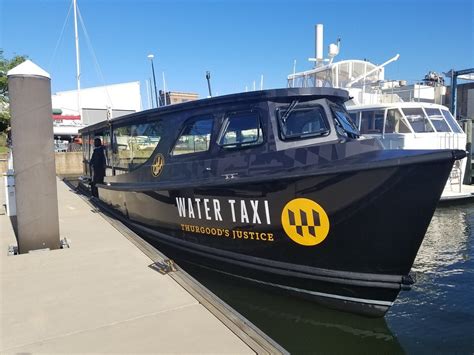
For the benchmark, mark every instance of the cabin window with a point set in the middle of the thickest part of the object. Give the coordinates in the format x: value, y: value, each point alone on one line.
x: 134, y: 144
x: 104, y: 137
x: 344, y: 123
x: 241, y: 130
x: 395, y: 122
x: 371, y: 122
x: 85, y: 152
x: 451, y: 121
x: 303, y: 122
x: 355, y: 116
x: 195, y: 137
x: 417, y: 119
x: 437, y: 119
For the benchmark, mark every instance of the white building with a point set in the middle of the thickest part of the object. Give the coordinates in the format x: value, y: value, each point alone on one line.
x: 122, y: 99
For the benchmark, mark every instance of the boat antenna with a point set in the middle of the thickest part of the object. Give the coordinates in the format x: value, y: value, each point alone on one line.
x: 208, y: 78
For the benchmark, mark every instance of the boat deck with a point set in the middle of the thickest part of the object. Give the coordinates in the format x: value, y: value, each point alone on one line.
x: 101, y: 295
x: 467, y: 192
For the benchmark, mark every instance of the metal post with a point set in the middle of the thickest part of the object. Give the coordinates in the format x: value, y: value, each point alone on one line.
x: 454, y: 84
x: 78, y: 64
x: 208, y: 77
x: 33, y: 158
x: 151, y: 56
x: 468, y: 173
x: 165, y: 101
x: 154, y: 84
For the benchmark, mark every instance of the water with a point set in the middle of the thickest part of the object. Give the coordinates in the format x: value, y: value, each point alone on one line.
x: 436, y: 316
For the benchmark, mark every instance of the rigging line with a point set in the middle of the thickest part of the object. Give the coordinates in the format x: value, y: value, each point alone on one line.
x: 96, y: 62
x: 53, y: 56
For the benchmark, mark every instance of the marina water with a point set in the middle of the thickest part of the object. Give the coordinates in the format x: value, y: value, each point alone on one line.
x: 436, y: 316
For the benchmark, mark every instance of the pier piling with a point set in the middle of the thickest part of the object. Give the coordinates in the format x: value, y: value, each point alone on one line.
x: 33, y: 158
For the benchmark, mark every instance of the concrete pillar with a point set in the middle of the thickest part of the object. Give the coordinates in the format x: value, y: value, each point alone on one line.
x: 33, y: 158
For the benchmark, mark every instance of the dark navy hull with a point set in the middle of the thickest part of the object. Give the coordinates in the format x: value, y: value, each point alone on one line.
x: 378, y: 217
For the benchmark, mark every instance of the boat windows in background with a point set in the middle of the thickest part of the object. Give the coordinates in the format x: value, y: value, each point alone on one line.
x: 195, y: 136
x: 241, y: 129
x: 437, y: 120
x: 88, y: 148
x: 395, y: 122
x: 134, y: 144
x: 372, y: 122
x: 303, y: 122
x: 417, y: 119
x: 451, y: 121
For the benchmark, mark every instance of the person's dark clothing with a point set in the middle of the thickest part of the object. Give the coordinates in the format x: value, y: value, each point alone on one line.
x: 97, y: 164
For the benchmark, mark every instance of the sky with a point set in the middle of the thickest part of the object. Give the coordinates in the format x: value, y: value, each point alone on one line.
x: 238, y: 41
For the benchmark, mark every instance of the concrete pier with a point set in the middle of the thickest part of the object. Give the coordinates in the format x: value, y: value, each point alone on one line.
x: 100, y: 295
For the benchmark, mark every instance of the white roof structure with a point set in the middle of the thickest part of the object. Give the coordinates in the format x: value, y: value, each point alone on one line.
x: 123, y: 96
x: 28, y: 68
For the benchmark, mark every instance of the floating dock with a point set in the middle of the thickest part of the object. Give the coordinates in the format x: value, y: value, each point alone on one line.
x: 104, y: 294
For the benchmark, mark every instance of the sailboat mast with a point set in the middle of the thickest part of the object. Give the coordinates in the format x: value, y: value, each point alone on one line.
x: 78, y: 65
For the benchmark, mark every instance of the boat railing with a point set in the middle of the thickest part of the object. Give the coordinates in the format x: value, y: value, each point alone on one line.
x: 455, y: 177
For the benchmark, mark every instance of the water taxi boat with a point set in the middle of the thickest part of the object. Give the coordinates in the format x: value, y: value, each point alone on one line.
x: 276, y: 187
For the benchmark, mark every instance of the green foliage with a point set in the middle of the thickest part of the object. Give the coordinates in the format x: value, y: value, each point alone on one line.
x: 3, y: 143
x: 5, y: 66
x: 4, y: 120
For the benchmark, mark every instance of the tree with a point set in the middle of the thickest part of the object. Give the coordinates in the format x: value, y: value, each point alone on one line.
x: 5, y: 66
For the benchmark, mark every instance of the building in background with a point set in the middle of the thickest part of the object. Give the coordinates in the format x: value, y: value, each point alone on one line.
x: 176, y: 97
x: 465, y: 100
x: 118, y: 100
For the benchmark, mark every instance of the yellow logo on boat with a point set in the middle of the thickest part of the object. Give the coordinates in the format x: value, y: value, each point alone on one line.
x: 305, y: 221
x: 158, y: 164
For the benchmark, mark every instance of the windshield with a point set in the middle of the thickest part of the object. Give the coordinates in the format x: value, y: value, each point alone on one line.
x: 303, y: 121
x: 417, y: 119
x: 437, y: 119
x: 451, y: 121
x: 344, y: 121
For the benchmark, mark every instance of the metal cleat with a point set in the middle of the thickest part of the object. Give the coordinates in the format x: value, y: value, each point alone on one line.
x: 164, y: 267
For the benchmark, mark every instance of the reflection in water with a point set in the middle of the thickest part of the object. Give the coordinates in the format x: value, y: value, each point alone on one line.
x: 445, y: 242
x: 300, y: 326
x: 437, y: 316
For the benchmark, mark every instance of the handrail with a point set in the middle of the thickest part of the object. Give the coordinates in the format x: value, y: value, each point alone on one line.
x: 378, y: 67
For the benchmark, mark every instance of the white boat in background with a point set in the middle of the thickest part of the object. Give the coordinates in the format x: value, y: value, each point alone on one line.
x: 401, y: 116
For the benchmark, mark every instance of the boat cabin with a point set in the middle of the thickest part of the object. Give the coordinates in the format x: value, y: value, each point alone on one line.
x: 221, y: 128
x: 409, y: 125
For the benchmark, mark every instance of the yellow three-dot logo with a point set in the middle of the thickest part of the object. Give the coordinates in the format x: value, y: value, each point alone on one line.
x: 158, y: 164
x: 305, y: 221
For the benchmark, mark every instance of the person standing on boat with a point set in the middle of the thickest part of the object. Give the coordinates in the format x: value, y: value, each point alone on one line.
x: 97, y: 164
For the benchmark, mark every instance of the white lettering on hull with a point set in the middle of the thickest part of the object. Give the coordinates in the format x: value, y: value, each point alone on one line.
x: 243, y: 211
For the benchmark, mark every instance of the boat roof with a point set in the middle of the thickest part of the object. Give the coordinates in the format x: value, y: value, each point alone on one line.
x: 382, y: 106
x: 312, y: 93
